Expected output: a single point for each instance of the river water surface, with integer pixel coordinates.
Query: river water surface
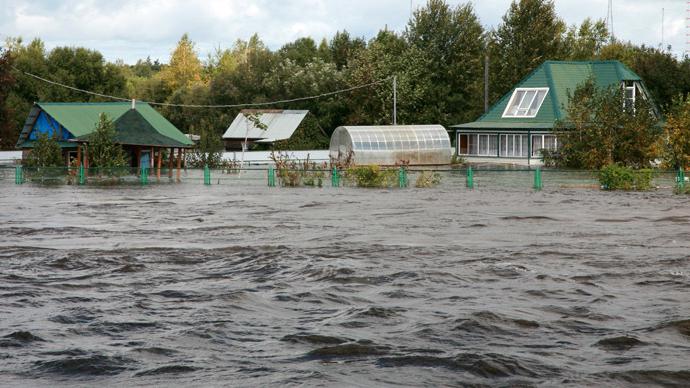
(245, 285)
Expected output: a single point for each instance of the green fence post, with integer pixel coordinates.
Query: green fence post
(18, 175)
(207, 175)
(335, 178)
(271, 177)
(144, 175)
(470, 178)
(681, 178)
(538, 184)
(81, 175)
(402, 177)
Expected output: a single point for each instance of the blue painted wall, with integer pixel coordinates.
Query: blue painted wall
(48, 125)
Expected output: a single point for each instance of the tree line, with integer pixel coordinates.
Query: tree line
(438, 60)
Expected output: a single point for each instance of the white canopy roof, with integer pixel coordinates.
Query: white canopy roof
(281, 125)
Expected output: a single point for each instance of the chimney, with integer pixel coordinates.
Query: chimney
(134, 103)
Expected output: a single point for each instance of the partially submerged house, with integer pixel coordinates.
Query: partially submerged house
(520, 124)
(141, 130)
(280, 125)
(391, 144)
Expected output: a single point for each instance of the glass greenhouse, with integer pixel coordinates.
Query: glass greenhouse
(388, 145)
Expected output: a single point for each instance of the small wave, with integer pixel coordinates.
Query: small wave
(94, 365)
(621, 343)
(168, 369)
(655, 377)
(528, 218)
(314, 339)
(348, 350)
(19, 339)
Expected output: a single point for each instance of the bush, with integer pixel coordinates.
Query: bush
(616, 177)
(295, 172)
(428, 179)
(371, 176)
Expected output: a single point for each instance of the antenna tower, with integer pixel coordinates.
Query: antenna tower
(609, 18)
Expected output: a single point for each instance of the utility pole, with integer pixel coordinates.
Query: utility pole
(486, 82)
(662, 29)
(395, 100)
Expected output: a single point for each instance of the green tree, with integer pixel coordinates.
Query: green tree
(585, 42)
(46, 153)
(531, 33)
(104, 154)
(598, 131)
(451, 41)
(301, 51)
(8, 135)
(208, 151)
(185, 67)
(675, 143)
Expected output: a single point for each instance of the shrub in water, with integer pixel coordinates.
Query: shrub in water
(371, 176)
(616, 177)
(428, 179)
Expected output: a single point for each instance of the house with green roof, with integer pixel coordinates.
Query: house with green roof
(141, 130)
(519, 126)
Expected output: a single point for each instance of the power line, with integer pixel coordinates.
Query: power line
(205, 106)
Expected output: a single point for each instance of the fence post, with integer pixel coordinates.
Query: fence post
(144, 175)
(271, 177)
(470, 178)
(402, 177)
(81, 175)
(680, 178)
(18, 175)
(335, 178)
(207, 175)
(538, 184)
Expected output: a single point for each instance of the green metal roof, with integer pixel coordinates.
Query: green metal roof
(561, 77)
(80, 119)
(133, 129)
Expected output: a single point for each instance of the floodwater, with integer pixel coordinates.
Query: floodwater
(245, 285)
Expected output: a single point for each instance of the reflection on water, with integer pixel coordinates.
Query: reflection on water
(243, 284)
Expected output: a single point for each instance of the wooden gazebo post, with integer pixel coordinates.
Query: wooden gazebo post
(158, 170)
(179, 163)
(170, 162)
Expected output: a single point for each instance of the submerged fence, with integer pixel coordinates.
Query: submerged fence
(468, 178)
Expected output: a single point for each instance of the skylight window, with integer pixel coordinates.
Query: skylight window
(525, 102)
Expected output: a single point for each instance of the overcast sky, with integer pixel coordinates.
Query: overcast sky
(130, 29)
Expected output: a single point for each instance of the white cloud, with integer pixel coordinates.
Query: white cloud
(133, 29)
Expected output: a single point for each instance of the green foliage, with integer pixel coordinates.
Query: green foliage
(208, 151)
(428, 179)
(599, 131)
(675, 142)
(371, 176)
(7, 80)
(295, 172)
(457, 159)
(530, 33)
(46, 153)
(104, 154)
(617, 177)
(308, 136)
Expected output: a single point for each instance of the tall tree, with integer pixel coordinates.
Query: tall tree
(586, 41)
(8, 135)
(184, 68)
(451, 40)
(530, 34)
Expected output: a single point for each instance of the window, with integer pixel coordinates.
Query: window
(513, 145)
(525, 102)
(630, 92)
(543, 142)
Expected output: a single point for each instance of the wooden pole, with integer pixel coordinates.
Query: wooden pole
(170, 162)
(160, 159)
(86, 161)
(152, 159)
(78, 154)
(179, 163)
(138, 160)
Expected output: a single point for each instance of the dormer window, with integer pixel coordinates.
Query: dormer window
(630, 94)
(525, 102)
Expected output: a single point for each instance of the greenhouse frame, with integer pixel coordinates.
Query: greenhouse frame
(390, 145)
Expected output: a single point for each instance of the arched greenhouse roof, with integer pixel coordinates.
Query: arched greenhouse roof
(378, 144)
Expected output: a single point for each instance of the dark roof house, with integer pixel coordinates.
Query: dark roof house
(519, 125)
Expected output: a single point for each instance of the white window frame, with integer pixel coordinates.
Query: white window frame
(525, 90)
(537, 151)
